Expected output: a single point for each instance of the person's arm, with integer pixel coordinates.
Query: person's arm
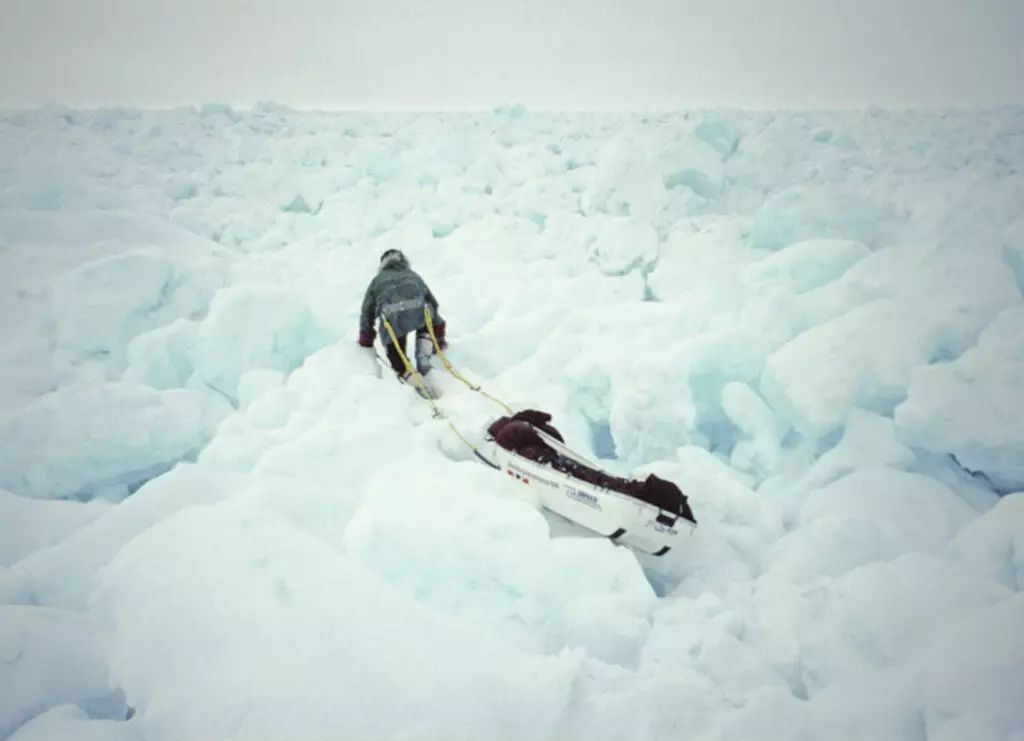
(437, 320)
(367, 332)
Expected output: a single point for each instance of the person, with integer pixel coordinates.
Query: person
(398, 293)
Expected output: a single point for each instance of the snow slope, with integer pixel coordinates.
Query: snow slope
(218, 513)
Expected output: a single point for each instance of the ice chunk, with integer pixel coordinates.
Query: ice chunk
(299, 205)
(750, 414)
(163, 358)
(803, 266)
(254, 327)
(693, 158)
(100, 306)
(995, 542)
(611, 706)
(892, 312)
(883, 614)
(737, 526)
(866, 356)
(442, 533)
(871, 705)
(645, 427)
(833, 546)
(253, 384)
(706, 635)
(804, 212)
(763, 431)
(328, 422)
(972, 408)
(32, 524)
(624, 245)
(94, 305)
(700, 263)
(49, 657)
(922, 512)
(287, 609)
(75, 441)
(44, 244)
(26, 369)
(718, 135)
(953, 292)
(625, 180)
(868, 439)
(616, 245)
(973, 672)
(62, 575)
(959, 292)
(770, 710)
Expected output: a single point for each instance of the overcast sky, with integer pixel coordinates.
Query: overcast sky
(572, 54)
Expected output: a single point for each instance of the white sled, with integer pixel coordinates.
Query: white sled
(612, 514)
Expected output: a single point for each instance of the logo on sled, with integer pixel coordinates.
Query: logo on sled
(519, 477)
(582, 496)
(665, 529)
(515, 471)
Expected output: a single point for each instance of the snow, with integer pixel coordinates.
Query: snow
(79, 284)
(866, 354)
(85, 441)
(969, 407)
(33, 524)
(813, 211)
(994, 542)
(97, 307)
(253, 329)
(219, 516)
(51, 656)
(533, 592)
(380, 659)
(70, 721)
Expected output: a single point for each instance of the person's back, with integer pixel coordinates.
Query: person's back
(396, 283)
(399, 295)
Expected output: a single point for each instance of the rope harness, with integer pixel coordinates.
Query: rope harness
(421, 388)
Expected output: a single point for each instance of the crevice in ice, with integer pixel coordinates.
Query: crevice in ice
(979, 476)
(646, 270)
(602, 442)
(721, 434)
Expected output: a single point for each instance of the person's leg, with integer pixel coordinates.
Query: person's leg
(424, 351)
(393, 355)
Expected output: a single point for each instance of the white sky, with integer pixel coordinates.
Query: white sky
(402, 54)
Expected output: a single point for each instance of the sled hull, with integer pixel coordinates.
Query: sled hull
(622, 518)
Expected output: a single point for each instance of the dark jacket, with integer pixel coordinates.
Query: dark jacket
(400, 294)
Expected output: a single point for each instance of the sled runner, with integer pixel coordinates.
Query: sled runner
(652, 515)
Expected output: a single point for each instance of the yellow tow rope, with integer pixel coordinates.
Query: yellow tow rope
(421, 387)
(448, 366)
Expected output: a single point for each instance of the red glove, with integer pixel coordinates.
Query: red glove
(439, 329)
(366, 337)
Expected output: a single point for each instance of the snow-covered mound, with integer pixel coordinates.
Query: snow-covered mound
(222, 518)
(77, 286)
(961, 407)
(102, 440)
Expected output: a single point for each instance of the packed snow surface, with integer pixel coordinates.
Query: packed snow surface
(221, 518)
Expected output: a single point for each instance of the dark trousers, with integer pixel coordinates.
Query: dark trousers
(424, 349)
